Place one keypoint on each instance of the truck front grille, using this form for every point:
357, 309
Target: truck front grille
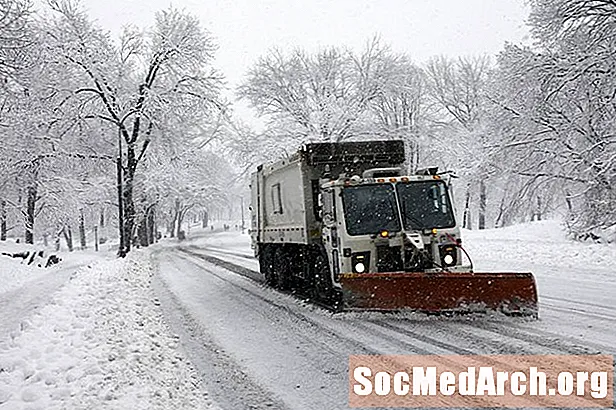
388, 259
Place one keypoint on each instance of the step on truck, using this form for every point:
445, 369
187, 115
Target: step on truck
345, 223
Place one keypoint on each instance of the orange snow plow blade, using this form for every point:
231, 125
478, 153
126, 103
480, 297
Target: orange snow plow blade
511, 293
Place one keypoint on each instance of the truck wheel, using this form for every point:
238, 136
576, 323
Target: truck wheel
282, 267
266, 266
323, 289
321, 277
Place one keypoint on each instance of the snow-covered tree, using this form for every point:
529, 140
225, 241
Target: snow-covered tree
15, 36
458, 89
560, 99
323, 96
151, 80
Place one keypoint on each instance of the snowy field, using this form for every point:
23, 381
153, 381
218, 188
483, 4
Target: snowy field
167, 329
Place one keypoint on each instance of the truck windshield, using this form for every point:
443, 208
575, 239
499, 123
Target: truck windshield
425, 205
370, 209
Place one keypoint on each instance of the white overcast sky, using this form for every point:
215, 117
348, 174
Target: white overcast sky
247, 29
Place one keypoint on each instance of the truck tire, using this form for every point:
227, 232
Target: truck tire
323, 288
266, 266
282, 266
321, 276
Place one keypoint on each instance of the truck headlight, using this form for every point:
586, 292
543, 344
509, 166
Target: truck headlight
449, 255
360, 262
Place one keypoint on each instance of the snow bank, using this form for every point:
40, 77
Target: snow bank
227, 240
101, 343
540, 242
14, 272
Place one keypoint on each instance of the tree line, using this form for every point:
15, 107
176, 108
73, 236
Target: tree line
529, 131
135, 132
91, 126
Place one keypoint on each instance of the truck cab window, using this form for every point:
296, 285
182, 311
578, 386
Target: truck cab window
370, 209
425, 205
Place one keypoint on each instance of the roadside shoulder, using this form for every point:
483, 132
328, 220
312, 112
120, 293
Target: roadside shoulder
102, 340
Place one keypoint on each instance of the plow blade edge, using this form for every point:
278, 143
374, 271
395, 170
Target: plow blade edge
511, 293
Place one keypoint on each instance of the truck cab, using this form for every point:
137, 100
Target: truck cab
384, 221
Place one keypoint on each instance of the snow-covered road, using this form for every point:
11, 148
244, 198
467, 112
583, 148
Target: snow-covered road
258, 348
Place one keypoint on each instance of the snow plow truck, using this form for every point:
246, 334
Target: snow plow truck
344, 223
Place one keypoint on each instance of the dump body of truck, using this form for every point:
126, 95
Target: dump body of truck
345, 222
285, 194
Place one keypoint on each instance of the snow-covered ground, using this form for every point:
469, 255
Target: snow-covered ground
298, 352
165, 328
89, 336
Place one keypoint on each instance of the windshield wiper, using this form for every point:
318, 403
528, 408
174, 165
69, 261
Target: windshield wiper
413, 221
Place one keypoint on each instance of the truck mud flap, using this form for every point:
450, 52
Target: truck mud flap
511, 293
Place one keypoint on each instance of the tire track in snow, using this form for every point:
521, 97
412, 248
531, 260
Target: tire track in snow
569, 301
283, 307
224, 251
423, 338
553, 342
392, 339
230, 266
579, 312
227, 383
283, 332
544, 339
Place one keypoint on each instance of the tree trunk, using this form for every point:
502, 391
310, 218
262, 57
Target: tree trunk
568, 202
129, 205
171, 225
3, 220
101, 221
171, 228
467, 210
538, 208
151, 224
120, 177
204, 219
142, 230
179, 225
30, 209
82, 230
68, 236
501, 211
482, 204
177, 219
